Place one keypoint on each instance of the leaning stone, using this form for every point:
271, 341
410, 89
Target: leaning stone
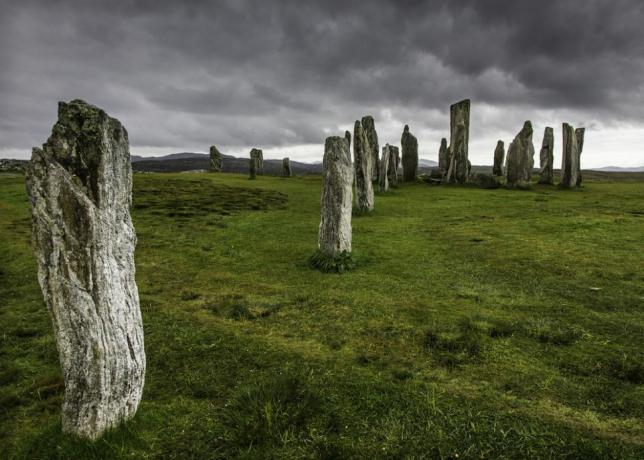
286, 168
409, 145
569, 158
369, 127
499, 156
80, 193
383, 180
335, 218
215, 159
459, 142
363, 168
392, 167
579, 134
443, 157
520, 158
546, 158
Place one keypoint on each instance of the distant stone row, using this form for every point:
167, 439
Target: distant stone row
255, 164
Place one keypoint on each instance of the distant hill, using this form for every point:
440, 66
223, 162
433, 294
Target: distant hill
427, 163
619, 169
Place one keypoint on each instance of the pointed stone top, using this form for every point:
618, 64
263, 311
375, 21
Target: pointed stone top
406, 128
527, 127
499, 143
443, 142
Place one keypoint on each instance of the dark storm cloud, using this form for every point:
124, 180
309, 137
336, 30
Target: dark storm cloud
241, 73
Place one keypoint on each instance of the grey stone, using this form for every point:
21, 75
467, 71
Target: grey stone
499, 156
363, 168
579, 134
520, 158
80, 192
546, 158
369, 127
482, 180
347, 137
286, 168
383, 179
569, 158
459, 142
256, 163
443, 157
337, 196
409, 145
215, 159
392, 167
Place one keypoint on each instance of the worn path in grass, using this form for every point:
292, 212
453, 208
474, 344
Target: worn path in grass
490, 323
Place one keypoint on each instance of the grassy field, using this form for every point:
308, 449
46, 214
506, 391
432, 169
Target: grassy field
477, 324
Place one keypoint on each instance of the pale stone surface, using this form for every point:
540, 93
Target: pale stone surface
392, 168
80, 193
546, 158
383, 177
337, 197
363, 167
459, 141
579, 134
409, 145
499, 156
520, 158
369, 127
443, 157
256, 163
286, 167
216, 162
569, 158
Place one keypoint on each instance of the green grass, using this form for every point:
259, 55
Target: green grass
477, 323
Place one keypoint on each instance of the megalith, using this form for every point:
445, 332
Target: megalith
520, 158
546, 158
499, 156
579, 134
347, 137
569, 157
369, 127
215, 159
392, 167
286, 167
363, 167
459, 141
443, 157
256, 163
409, 145
80, 192
383, 176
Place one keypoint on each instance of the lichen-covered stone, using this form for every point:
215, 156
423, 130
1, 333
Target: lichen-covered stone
383, 177
569, 157
443, 157
579, 134
337, 197
546, 158
499, 156
286, 167
409, 145
520, 158
369, 127
363, 167
215, 158
459, 142
80, 193
258, 156
392, 167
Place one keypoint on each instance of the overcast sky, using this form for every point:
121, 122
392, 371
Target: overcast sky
282, 76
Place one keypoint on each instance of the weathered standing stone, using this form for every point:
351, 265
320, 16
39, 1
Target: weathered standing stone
215, 159
286, 168
80, 193
569, 157
443, 157
392, 168
499, 156
546, 158
256, 162
579, 134
347, 137
369, 127
409, 145
459, 142
363, 167
520, 158
337, 196
383, 177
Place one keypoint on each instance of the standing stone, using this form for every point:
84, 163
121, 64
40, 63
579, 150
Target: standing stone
286, 168
335, 216
215, 159
369, 127
347, 137
392, 168
383, 177
80, 193
499, 156
363, 168
443, 157
409, 145
520, 158
256, 163
546, 158
459, 142
569, 158
579, 134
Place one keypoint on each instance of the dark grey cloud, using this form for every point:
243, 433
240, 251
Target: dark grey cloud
240, 73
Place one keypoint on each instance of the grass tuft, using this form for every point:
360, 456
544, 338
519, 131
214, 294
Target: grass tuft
328, 263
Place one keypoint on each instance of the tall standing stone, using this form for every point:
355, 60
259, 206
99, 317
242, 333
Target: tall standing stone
347, 137
215, 158
383, 177
569, 157
286, 167
337, 196
392, 167
369, 127
546, 157
579, 134
80, 193
459, 141
363, 167
499, 156
409, 145
256, 164
443, 157
518, 168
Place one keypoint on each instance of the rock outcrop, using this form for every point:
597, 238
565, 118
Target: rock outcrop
569, 158
383, 176
337, 195
520, 158
80, 193
579, 134
443, 157
286, 167
499, 156
409, 145
546, 158
459, 142
215, 159
369, 127
363, 167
